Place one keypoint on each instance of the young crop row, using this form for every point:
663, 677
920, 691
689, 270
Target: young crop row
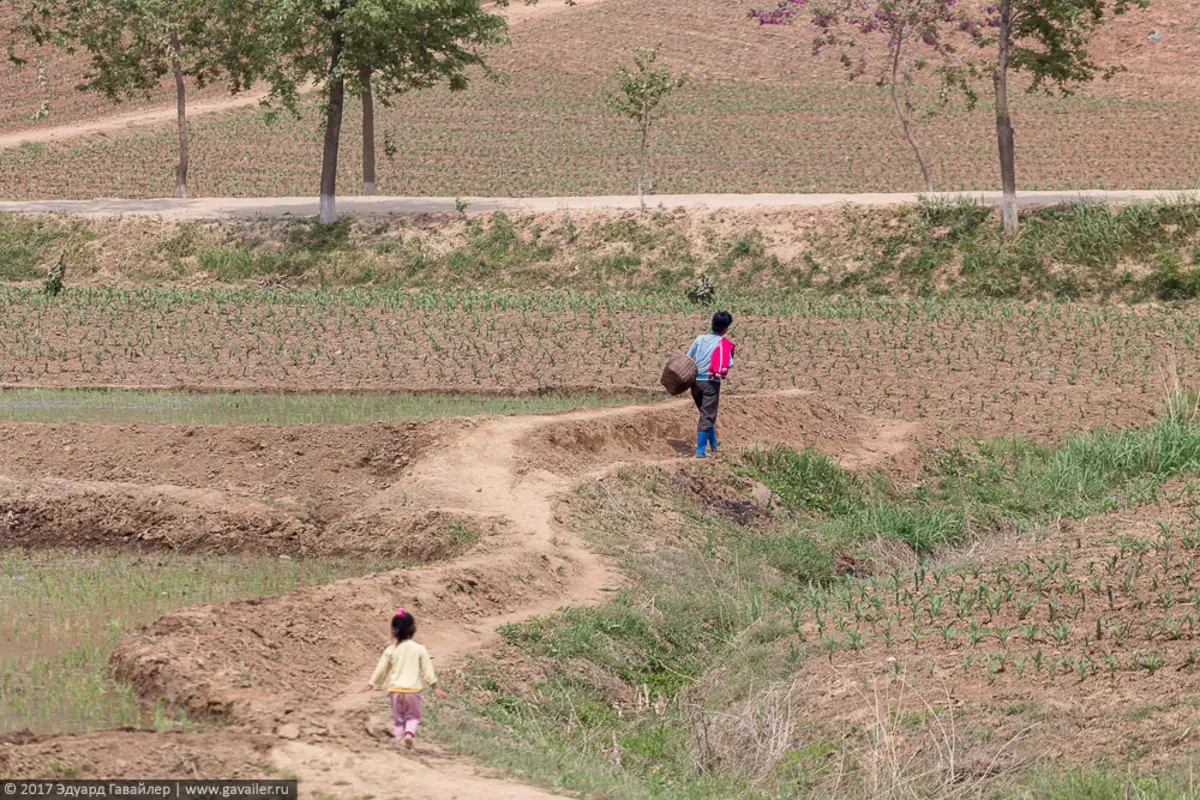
552, 136
1125, 604
1052, 366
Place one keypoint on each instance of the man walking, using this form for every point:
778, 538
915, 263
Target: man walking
713, 354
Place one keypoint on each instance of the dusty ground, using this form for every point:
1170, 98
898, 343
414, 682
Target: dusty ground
73, 114
280, 674
756, 91
294, 661
713, 38
215, 208
213, 489
311, 490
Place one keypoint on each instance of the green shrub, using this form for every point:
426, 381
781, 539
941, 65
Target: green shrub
962, 216
183, 243
319, 237
495, 248
796, 555
1170, 281
230, 265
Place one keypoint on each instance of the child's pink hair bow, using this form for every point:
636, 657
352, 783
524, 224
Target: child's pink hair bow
399, 612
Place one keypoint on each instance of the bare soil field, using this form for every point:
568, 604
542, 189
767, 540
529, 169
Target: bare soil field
550, 136
211, 489
761, 115
279, 673
291, 661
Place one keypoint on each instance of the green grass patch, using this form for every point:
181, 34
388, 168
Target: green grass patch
29, 245
976, 488
1101, 782
1066, 251
130, 406
670, 688
65, 612
495, 249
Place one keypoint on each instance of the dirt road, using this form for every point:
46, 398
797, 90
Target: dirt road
215, 208
161, 116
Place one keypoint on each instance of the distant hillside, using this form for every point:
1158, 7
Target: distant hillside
761, 114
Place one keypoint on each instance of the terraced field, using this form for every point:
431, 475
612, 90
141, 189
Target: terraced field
761, 115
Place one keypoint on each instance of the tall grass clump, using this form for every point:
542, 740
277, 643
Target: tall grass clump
1099, 782
1067, 251
973, 489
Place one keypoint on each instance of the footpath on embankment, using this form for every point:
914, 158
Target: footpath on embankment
308, 652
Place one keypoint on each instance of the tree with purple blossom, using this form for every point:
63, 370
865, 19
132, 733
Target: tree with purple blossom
890, 40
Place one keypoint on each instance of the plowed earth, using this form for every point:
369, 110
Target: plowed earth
971, 366
295, 661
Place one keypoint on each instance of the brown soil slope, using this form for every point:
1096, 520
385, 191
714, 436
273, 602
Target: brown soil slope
296, 660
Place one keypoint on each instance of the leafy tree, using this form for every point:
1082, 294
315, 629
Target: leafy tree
888, 39
1048, 40
133, 44
639, 95
390, 46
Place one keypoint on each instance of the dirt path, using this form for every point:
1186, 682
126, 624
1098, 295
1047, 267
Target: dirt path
215, 208
159, 116
130, 120
285, 671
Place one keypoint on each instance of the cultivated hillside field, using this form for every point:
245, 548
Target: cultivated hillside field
947, 546
761, 115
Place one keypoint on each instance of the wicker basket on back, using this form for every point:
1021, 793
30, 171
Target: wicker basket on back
679, 374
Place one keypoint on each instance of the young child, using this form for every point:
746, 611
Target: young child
407, 668
713, 354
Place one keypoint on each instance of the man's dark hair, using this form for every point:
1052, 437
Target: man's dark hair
721, 321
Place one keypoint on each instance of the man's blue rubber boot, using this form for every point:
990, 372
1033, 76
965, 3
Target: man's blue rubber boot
702, 440
712, 441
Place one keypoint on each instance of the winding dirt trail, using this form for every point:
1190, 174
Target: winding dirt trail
284, 672
478, 475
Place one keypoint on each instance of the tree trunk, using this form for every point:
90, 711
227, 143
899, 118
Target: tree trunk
368, 153
1004, 129
333, 133
904, 111
181, 169
642, 160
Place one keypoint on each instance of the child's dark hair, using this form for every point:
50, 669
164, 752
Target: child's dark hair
721, 321
404, 626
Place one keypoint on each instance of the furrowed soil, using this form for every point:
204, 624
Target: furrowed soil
476, 500
985, 368
280, 674
760, 114
289, 665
